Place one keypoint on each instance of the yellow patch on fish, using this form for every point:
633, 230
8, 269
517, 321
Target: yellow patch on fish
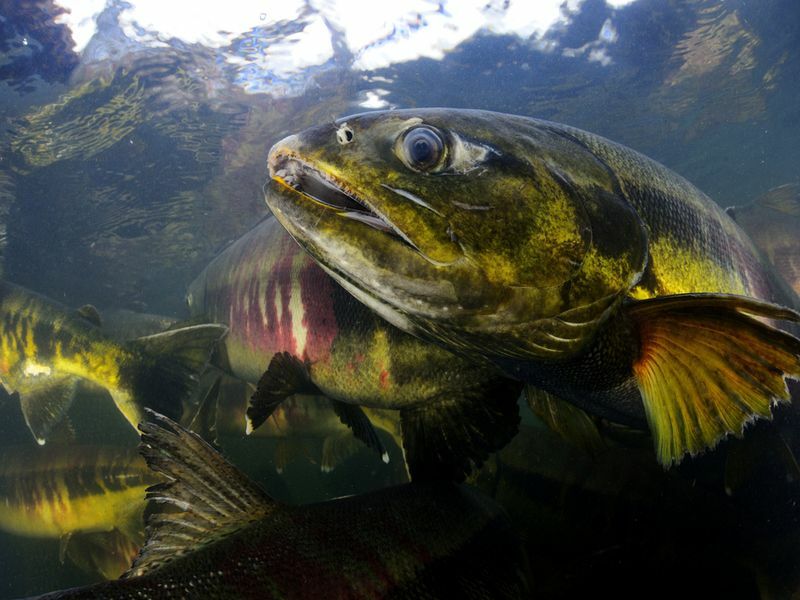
679, 270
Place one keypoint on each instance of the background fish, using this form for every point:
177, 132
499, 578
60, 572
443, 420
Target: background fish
46, 350
230, 540
287, 317
773, 222
579, 266
64, 491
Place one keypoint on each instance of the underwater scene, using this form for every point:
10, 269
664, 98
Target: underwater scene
412, 299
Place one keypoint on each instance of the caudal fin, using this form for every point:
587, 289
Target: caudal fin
166, 370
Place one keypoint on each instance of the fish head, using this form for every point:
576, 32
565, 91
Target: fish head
451, 224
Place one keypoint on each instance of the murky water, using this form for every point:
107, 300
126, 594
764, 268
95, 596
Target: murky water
134, 151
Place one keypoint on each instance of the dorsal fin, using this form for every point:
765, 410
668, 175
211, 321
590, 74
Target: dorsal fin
91, 314
204, 499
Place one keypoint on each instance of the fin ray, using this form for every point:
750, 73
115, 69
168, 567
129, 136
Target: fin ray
708, 366
213, 498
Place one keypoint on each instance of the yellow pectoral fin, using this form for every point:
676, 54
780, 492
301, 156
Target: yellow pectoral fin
707, 367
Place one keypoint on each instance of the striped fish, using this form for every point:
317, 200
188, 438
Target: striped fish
47, 350
56, 491
294, 329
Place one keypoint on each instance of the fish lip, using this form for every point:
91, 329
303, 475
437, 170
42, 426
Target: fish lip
291, 171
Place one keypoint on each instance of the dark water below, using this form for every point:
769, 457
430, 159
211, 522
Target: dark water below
126, 166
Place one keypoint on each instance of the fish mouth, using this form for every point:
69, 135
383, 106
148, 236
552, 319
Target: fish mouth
293, 172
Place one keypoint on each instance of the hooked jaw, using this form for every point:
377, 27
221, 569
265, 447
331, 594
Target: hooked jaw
298, 175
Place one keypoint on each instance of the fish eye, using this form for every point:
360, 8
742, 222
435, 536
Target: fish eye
423, 148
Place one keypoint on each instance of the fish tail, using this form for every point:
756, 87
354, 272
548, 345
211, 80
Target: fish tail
165, 370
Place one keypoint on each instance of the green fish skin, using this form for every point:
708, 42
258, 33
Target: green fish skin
47, 350
228, 539
294, 331
577, 265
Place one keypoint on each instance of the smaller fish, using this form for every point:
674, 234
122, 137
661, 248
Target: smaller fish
58, 491
47, 350
773, 222
221, 536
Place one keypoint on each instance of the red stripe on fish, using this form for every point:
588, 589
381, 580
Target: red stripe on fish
279, 327
319, 318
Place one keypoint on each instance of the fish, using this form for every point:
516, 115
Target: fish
578, 266
60, 491
216, 533
48, 350
773, 223
292, 330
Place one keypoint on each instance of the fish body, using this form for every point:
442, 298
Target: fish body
431, 540
287, 317
46, 350
274, 298
577, 265
58, 491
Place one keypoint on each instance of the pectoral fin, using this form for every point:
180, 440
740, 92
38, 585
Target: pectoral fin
285, 376
567, 420
708, 366
447, 439
44, 401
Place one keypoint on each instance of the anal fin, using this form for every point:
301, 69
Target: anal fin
449, 438
708, 366
285, 376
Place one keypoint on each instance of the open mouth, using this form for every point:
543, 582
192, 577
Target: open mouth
323, 189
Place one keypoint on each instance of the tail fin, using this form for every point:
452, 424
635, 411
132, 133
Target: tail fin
167, 370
